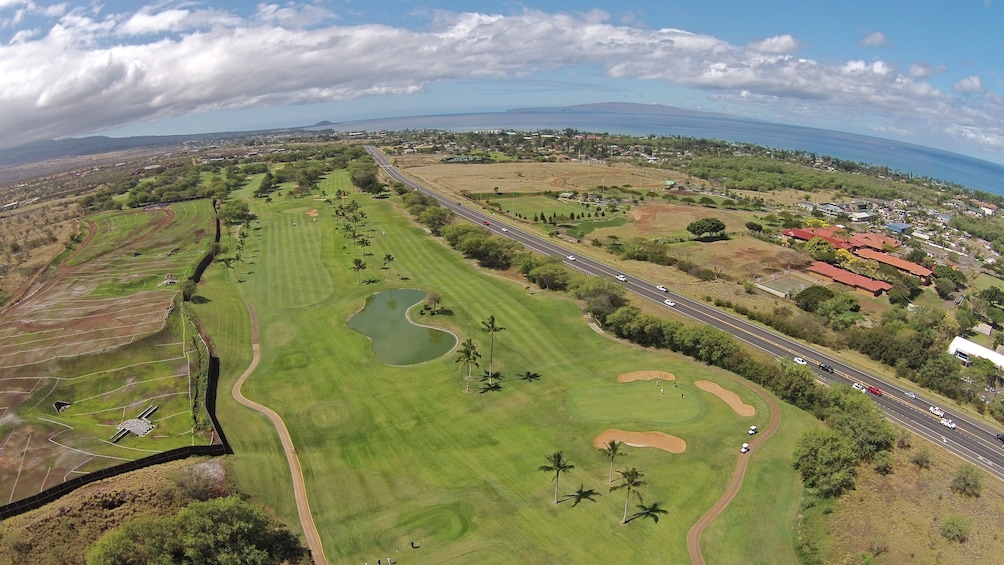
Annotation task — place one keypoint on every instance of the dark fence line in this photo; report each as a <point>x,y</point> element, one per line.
<point>54,493</point>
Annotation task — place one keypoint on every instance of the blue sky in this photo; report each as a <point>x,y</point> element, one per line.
<point>928,71</point>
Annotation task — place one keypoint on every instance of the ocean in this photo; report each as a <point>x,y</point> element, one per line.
<point>905,157</point>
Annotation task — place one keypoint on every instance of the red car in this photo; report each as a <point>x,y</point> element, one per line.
<point>875,391</point>
<point>486,222</point>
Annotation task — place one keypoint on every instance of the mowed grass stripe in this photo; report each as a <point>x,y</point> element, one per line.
<point>298,277</point>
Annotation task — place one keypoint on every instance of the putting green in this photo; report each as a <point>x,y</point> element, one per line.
<point>639,401</point>
<point>396,339</point>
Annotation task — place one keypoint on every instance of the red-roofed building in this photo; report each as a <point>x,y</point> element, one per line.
<point>902,264</point>
<point>873,240</point>
<point>861,283</point>
<point>805,234</point>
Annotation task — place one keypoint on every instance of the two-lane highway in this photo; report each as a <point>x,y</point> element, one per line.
<point>972,440</point>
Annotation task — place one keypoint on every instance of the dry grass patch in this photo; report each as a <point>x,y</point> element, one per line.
<point>900,515</point>
<point>645,376</point>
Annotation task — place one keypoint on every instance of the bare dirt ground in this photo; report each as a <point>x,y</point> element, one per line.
<point>658,440</point>
<point>728,397</point>
<point>645,376</point>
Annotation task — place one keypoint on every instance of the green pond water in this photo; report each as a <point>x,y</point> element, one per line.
<point>397,341</point>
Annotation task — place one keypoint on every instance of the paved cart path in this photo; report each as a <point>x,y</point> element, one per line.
<point>299,490</point>
<point>694,535</point>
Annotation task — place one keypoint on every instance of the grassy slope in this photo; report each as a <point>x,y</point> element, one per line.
<point>399,454</point>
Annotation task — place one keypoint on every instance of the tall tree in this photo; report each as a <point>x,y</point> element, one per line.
<point>557,465</point>
<point>611,450</point>
<point>468,356</point>
<point>358,265</point>
<point>630,481</point>
<point>387,260</point>
<point>490,327</point>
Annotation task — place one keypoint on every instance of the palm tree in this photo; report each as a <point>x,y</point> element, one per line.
<point>387,260</point>
<point>611,450</point>
<point>358,265</point>
<point>580,495</point>
<point>630,480</point>
<point>557,465</point>
<point>468,355</point>
<point>490,327</point>
<point>530,376</point>
<point>434,299</point>
<point>652,512</point>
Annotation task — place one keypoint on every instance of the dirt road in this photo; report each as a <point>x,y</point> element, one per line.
<point>299,490</point>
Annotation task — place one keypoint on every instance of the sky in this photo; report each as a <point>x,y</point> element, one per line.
<point>928,72</point>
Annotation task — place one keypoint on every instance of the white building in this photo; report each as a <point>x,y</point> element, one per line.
<point>966,350</point>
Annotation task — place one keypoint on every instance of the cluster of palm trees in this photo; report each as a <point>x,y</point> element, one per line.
<point>628,480</point>
<point>468,356</point>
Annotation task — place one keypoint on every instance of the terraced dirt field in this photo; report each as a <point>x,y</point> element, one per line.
<point>99,343</point>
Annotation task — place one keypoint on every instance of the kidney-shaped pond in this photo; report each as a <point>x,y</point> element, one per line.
<point>396,340</point>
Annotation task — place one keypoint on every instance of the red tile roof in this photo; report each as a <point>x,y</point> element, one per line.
<point>849,278</point>
<point>824,234</point>
<point>901,264</point>
<point>875,241</point>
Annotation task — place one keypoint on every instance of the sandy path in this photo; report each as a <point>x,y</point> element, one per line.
<point>299,490</point>
<point>694,535</point>
<point>728,397</point>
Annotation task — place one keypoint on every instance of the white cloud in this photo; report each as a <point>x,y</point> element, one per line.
<point>778,44</point>
<point>88,72</point>
<point>924,70</point>
<point>875,39</point>
<point>968,85</point>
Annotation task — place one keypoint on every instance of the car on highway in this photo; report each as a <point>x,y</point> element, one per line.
<point>669,303</point>
<point>859,386</point>
<point>661,288</point>
<point>800,361</point>
<point>745,448</point>
<point>825,367</point>
<point>486,223</point>
<point>505,229</point>
<point>621,278</point>
<point>936,411</point>
<point>570,257</point>
<point>875,390</point>
<point>948,423</point>
<point>1000,438</point>
<point>910,394</point>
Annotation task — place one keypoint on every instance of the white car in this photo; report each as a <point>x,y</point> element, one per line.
<point>800,361</point>
<point>936,411</point>
<point>621,278</point>
<point>753,430</point>
<point>948,423</point>
<point>912,395</point>
<point>570,257</point>
<point>859,386</point>
<point>745,448</point>
<point>661,288</point>
<point>669,303</point>
<point>505,229</point>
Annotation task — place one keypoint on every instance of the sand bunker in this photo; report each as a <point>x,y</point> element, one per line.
<point>729,397</point>
<point>645,376</point>
<point>657,440</point>
<point>312,212</point>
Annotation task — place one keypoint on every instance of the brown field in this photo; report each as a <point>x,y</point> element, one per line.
<point>902,513</point>
<point>530,177</point>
